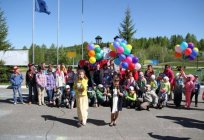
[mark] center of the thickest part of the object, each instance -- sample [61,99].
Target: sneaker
[29,103]
[23,103]
[79,124]
[14,103]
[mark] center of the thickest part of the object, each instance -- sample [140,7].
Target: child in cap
[131,97]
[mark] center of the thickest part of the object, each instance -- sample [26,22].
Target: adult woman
[116,92]
[148,73]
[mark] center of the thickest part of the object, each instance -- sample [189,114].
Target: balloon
[120,50]
[112,47]
[97,49]
[96,46]
[131,55]
[131,66]
[124,65]
[127,51]
[178,55]
[191,57]
[123,45]
[138,66]
[129,46]
[190,45]
[196,49]
[90,47]
[178,49]
[135,60]
[98,56]
[117,61]
[118,39]
[91,53]
[122,57]
[183,46]
[116,44]
[92,60]
[124,41]
[187,51]
[128,60]
[112,53]
[194,53]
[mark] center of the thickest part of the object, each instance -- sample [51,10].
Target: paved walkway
[33,122]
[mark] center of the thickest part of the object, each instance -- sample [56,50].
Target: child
[16,80]
[131,97]
[196,90]
[57,97]
[50,85]
[81,97]
[69,97]
[178,89]
[142,82]
[101,95]
[189,86]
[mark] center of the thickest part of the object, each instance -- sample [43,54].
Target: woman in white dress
[116,92]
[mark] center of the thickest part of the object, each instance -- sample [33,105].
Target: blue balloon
[116,44]
[122,57]
[119,39]
[184,45]
[124,41]
[117,61]
[124,65]
[194,53]
[131,55]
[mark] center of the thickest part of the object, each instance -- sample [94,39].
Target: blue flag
[41,6]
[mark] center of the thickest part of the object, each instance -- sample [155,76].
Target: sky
[101,17]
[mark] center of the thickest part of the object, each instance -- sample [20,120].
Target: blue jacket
[16,80]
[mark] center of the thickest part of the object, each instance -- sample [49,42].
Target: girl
[116,100]
[81,97]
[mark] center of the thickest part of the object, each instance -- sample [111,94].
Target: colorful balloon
[124,65]
[190,45]
[138,66]
[116,44]
[91,53]
[127,51]
[97,49]
[178,55]
[90,47]
[98,56]
[122,57]
[178,49]
[196,49]
[112,47]
[191,57]
[92,60]
[129,46]
[183,45]
[117,61]
[120,50]
[128,60]
[187,51]
[131,66]
[112,54]
[96,46]
[194,53]
[135,60]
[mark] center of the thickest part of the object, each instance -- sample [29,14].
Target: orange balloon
[91,53]
[178,55]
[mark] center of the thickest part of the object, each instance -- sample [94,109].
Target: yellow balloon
[92,60]
[112,47]
[129,46]
[196,49]
[96,46]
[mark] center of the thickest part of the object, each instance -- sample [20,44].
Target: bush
[5,73]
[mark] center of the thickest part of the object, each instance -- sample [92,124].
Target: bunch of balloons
[95,53]
[188,50]
[121,52]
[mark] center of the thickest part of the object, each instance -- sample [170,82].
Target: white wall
[15,57]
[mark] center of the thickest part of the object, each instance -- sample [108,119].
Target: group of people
[104,85]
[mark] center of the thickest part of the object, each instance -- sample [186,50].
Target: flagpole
[33,31]
[82,30]
[58,7]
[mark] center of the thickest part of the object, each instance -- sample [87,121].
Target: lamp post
[98,39]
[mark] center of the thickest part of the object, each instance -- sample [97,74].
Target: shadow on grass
[159,137]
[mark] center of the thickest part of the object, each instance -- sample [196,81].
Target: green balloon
[98,56]
[97,50]
[127,51]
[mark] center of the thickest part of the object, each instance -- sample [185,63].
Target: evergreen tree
[4,44]
[127,28]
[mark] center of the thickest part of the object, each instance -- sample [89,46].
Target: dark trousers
[130,103]
[196,97]
[177,98]
[32,90]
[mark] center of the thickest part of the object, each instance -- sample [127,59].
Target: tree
[4,44]
[127,28]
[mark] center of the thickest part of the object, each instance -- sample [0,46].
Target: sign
[71,54]
[15,57]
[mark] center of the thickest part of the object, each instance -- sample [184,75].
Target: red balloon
[178,55]
[131,66]
[112,54]
[187,51]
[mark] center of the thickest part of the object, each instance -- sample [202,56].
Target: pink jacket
[188,85]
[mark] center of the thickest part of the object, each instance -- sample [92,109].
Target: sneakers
[14,103]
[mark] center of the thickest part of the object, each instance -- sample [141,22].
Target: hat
[166,78]
[67,86]
[153,77]
[15,68]
[100,86]
[131,88]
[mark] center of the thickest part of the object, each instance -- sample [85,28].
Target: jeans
[50,95]
[32,88]
[17,89]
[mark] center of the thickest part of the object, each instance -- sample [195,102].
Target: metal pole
[58,7]
[197,62]
[82,30]
[33,31]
